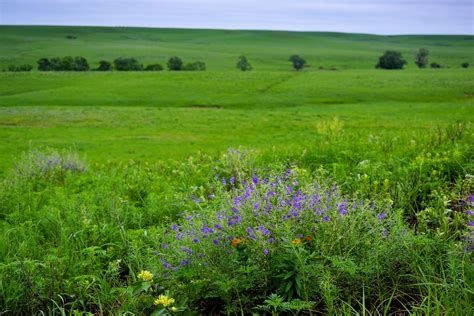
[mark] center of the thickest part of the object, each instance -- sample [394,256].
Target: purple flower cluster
[261,213]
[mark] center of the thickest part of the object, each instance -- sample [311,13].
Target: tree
[154,67]
[465,65]
[421,58]
[243,64]
[175,63]
[104,65]
[391,60]
[298,62]
[44,64]
[127,64]
[80,64]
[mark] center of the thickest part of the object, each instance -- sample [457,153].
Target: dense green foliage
[243,64]
[174,63]
[127,64]
[421,58]
[104,65]
[391,60]
[347,192]
[297,61]
[195,66]
[19,68]
[66,63]
[153,67]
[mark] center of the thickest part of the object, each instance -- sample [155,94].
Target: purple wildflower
[265,252]
[232,180]
[250,232]
[224,183]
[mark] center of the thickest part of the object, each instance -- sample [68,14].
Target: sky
[352,16]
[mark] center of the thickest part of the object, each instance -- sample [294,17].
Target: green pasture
[154,116]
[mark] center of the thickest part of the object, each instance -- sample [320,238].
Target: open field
[347,191]
[172,115]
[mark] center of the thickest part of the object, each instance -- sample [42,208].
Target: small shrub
[298,62]
[154,67]
[465,65]
[175,63]
[421,58]
[391,60]
[435,65]
[195,66]
[20,68]
[243,64]
[104,66]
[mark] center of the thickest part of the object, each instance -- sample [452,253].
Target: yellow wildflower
[164,300]
[296,242]
[174,309]
[145,275]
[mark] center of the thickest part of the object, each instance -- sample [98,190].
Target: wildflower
[265,252]
[250,232]
[232,180]
[164,300]
[309,238]
[174,309]
[296,241]
[236,241]
[145,276]
[224,183]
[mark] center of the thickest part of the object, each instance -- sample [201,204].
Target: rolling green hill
[267,50]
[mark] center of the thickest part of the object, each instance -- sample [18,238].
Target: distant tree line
[389,60]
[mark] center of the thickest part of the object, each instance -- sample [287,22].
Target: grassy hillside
[267,50]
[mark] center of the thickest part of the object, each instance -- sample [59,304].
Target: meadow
[342,190]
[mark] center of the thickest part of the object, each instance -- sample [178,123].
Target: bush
[127,64]
[44,64]
[154,67]
[391,60]
[20,68]
[104,66]
[243,64]
[435,65]
[195,66]
[175,63]
[298,62]
[465,65]
[421,58]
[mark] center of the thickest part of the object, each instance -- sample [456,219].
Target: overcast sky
[361,16]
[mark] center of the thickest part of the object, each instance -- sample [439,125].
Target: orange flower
[309,238]
[296,241]
[236,241]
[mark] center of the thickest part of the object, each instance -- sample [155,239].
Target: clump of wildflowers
[145,275]
[261,216]
[164,301]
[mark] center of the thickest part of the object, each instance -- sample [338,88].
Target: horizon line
[234,29]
